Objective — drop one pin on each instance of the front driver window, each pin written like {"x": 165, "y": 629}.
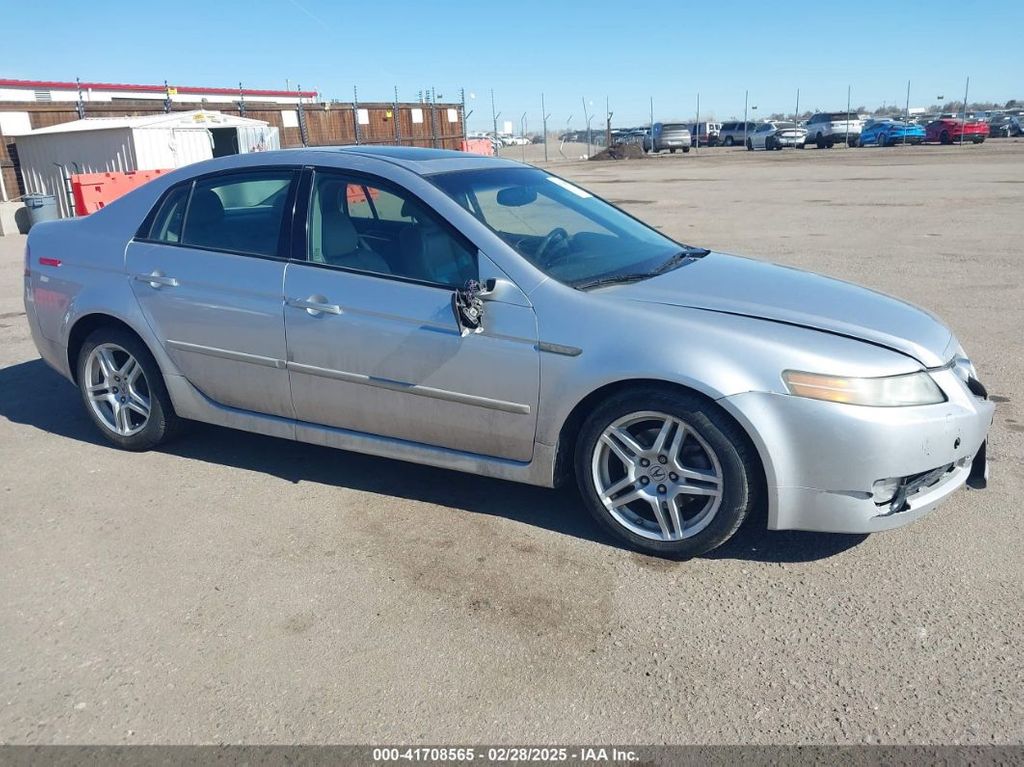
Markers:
{"x": 361, "y": 226}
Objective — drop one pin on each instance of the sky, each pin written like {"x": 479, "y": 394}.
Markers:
{"x": 576, "y": 54}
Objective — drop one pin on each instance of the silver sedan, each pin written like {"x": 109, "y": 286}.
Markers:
{"x": 481, "y": 315}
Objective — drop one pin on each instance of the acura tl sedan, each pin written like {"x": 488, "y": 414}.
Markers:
{"x": 477, "y": 314}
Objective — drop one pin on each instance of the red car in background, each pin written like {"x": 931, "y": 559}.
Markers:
{"x": 948, "y": 130}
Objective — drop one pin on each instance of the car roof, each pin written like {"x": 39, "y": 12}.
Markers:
{"x": 420, "y": 160}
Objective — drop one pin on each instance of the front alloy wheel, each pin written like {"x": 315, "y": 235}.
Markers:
{"x": 666, "y": 471}
{"x": 656, "y": 476}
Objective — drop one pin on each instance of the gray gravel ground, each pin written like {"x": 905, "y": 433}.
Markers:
{"x": 235, "y": 588}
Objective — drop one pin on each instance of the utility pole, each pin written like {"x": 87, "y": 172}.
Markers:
{"x": 355, "y": 113}
{"x": 746, "y": 97}
{"x": 396, "y": 116}
{"x": 588, "y": 117}
{"x": 906, "y": 115}
{"x": 544, "y": 120}
{"x": 494, "y": 115}
{"x": 607, "y": 124}
{"x": 650, "y": 132}
{"x": 522, "y": 133}
{"x": 963, "y": 119}
{"x": 796, "y": 115}
{"x": 696, "y": 125}
{"x": 847, "y": 116}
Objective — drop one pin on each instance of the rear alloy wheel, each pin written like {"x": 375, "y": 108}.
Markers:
{"x": 123, "y": 390}
{"x": 668, "y": 473}
{"x": 729, "y": 141}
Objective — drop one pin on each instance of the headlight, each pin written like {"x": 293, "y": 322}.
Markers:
{"x": 890, "y": 391}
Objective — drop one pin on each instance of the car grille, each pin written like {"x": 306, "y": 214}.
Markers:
{"x": 913, "y": 484}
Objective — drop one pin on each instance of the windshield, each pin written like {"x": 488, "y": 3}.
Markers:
{"x": 561, "y": 229}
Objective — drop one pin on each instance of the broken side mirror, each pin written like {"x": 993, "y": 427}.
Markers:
{"x": 468, "y": 306}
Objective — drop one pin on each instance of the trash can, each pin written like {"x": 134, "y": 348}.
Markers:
{"x": 41, "y": 207}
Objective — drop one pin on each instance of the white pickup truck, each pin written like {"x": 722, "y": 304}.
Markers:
{"x": 826, "y": 129}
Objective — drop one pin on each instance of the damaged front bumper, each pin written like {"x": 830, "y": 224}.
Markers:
{"x": 824, "y": 461}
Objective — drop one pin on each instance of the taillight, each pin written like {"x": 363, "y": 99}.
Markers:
{"x": 43, "y": 261}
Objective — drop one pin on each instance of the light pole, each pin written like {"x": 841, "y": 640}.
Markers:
{"x": 746, "y": 95}
{"x": 544, "y": 120}
{"x": 494, "y": 115}
{"x": 522, "y": 133}
{"x": 588, "y": 117}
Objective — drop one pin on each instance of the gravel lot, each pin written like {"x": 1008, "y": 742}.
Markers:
{"x": 235, "y": 588}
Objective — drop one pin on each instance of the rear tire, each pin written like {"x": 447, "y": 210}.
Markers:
{"x": 123, "y": 390}
{"x": 671, "y": 151}
{"x": 945, "y": 138}
{"x": 819, "y": 141}
{"x": 686, "y": 150}
{"x": 677, "y": 515}
{"x": 729, "y": 141}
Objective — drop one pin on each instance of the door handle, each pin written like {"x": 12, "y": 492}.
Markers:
{"x": 314, "y": 305}
{"x": 157, "y": 280}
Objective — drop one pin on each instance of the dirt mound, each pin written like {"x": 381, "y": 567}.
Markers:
{"x": 621, "y": 152}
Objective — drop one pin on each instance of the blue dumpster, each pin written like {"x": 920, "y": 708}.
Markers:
{"x": 41, "y": 207}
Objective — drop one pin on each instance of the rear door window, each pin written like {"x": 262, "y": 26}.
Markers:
{"x": 240, "y": 213}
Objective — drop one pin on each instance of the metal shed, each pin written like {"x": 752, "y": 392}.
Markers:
{"x": 120, "y": 144}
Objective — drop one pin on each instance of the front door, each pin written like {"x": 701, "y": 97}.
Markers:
{"x": 208, "y": 276}
{"x": 373, "y": 344}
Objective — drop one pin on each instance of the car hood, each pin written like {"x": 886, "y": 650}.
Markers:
{"x": 749, "y": 288}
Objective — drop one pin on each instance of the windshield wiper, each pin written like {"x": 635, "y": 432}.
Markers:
{"x": 680, "y": 258}
{"x": 616, "y": 279}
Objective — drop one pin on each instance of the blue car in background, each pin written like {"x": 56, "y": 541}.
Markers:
{"x": 888, "y": 132}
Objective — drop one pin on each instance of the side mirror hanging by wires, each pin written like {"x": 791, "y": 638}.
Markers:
{"x": 468, "y": 307}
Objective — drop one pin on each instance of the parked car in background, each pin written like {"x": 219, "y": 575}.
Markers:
{"x": 705, "y": 133}
{"x": 950, "y": 130}
{"x": 887, "y": 132}
{"x": 1017, "y": 125}
{"x": 826, "y": 129}
{"x": 999, "y": 126}
{"x": 776, "y": 134}
{"x": 733, "y": 133}
{"x": 454, "y": 310}
{"x": 670, "y": 136}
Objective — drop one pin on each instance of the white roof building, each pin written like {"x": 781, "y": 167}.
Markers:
{"x": 122, "y": 144}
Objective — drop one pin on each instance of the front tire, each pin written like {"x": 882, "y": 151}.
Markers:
{"x": 123, "y": 390}
{"x": 666, "y": 472}
{"x": 750, "y": 145}
{"x": 945, "y": 138}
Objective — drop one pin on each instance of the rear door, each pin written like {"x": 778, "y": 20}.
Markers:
{"x": 207, "y": 269}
